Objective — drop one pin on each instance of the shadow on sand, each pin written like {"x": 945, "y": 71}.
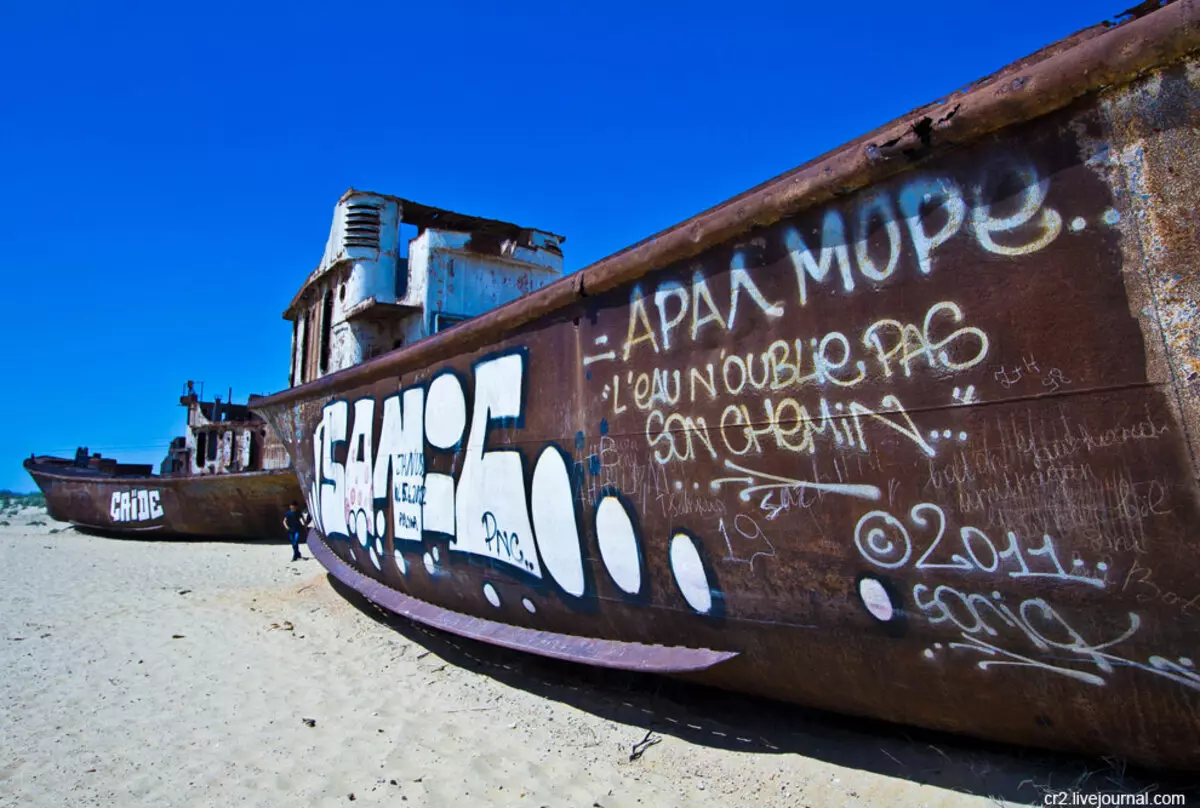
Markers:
{"x": 715, "y": 718}
{"x": 151, "y": 536}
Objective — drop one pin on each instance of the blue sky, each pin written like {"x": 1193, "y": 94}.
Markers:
{"x": 168, "y": 172}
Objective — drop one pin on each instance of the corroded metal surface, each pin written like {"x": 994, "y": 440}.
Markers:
{"x": 376, "y": 288}
{"x": 222, "y": 437}
{"x": 246, "y": 505}
{"x": 227, "y": 476}
{"x": 589, "y": 650}
{"x": 914, "y": 444}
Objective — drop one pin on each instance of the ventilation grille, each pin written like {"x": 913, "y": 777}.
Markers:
{"x": 362, "y": 225}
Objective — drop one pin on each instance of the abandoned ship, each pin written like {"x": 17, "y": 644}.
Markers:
{"x": 227, "y": 477}
{"x": 908, "y": 432}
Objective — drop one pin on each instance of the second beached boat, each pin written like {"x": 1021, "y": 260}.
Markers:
{"x": 227, "y": 477}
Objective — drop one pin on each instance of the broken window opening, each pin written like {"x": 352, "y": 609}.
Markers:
{"x": 255, "y": 459}
{"x": 408, "y": 233}
{"x": 303, "y": 363}
{"x": 401, "y": 277}
{"x": 295, "y": 346}
{"x": 442, "y": 320}
{"x": 326, "y": 332}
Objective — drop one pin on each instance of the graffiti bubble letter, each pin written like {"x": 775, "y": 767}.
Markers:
{"x": 490, "y": 510}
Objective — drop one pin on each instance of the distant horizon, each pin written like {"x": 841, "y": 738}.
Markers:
{"x": 171, "y": 176}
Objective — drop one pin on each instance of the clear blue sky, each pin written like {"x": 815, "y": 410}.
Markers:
{"x": 168, "y": 173}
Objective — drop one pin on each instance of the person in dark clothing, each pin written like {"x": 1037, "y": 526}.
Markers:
{"x": 295, "y": 520}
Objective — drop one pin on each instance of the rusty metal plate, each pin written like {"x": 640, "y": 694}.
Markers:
{"x": 919, "y": 452}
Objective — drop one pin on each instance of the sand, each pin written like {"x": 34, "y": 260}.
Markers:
{"x": 175, "y": 673}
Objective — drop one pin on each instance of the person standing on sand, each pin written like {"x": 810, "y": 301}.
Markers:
{"x": 293, "y": 521}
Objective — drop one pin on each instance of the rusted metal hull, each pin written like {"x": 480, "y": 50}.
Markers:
{"x": 246, "y": 505}
{"x": 907, "y": 433}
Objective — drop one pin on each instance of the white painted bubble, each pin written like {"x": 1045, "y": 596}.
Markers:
{"x": 962, "y": 435}
{"x": 445, "y": 411}
{"x": 438, "y": 511}
{"x": 375, "y": 559}
{"x": 928, "y": 653}
{"x": 491, "y": 594}
{"x": 528, "y": 604}
{"x": 1078, "y": 223}
{"x": 401, "y": 564}
{"x": 876, "y": 599}
{"x": 689, "y": 573}
{"x": 1112, "y": 217}
{"x": 429, "y": 565}
{"x": 554, "y": 525}
{"x": 437, "y": 555}
{"x": 362, "y": 528}
{"x": 946, "y": 434}
{"x": 618, "y": 545}
{"x": 380, "y": 524}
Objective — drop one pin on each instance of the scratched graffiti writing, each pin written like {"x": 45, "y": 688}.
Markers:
{"x": 991, "y": 624}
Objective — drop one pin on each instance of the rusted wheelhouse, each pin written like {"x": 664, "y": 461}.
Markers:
{"x": 226, "y": 477}
{"x": 908, "y": 432}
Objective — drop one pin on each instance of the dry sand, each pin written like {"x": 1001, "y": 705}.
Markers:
{"x": 169, "y": 673}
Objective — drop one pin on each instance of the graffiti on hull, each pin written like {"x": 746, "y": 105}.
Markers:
{"x": 874, "y": 386}
{"x": 527, "y": 524}
{"x": 136, "y": 505}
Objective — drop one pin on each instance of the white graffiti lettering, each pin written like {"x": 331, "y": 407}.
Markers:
{"x": 884, "y": 541}
{"x": 932, "y": 209}
{"x": 982, "y": 620}
{"x": 137, "y": 505}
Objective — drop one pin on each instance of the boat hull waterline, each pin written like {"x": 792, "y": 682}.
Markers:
{"x": 921, "y": 451}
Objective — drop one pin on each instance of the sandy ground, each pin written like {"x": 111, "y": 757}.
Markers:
{"x": 153, "y": 673}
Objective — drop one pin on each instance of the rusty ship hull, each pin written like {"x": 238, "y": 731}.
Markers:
{"x": 230, "y": 505}
{"x": 908, "y": 432}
